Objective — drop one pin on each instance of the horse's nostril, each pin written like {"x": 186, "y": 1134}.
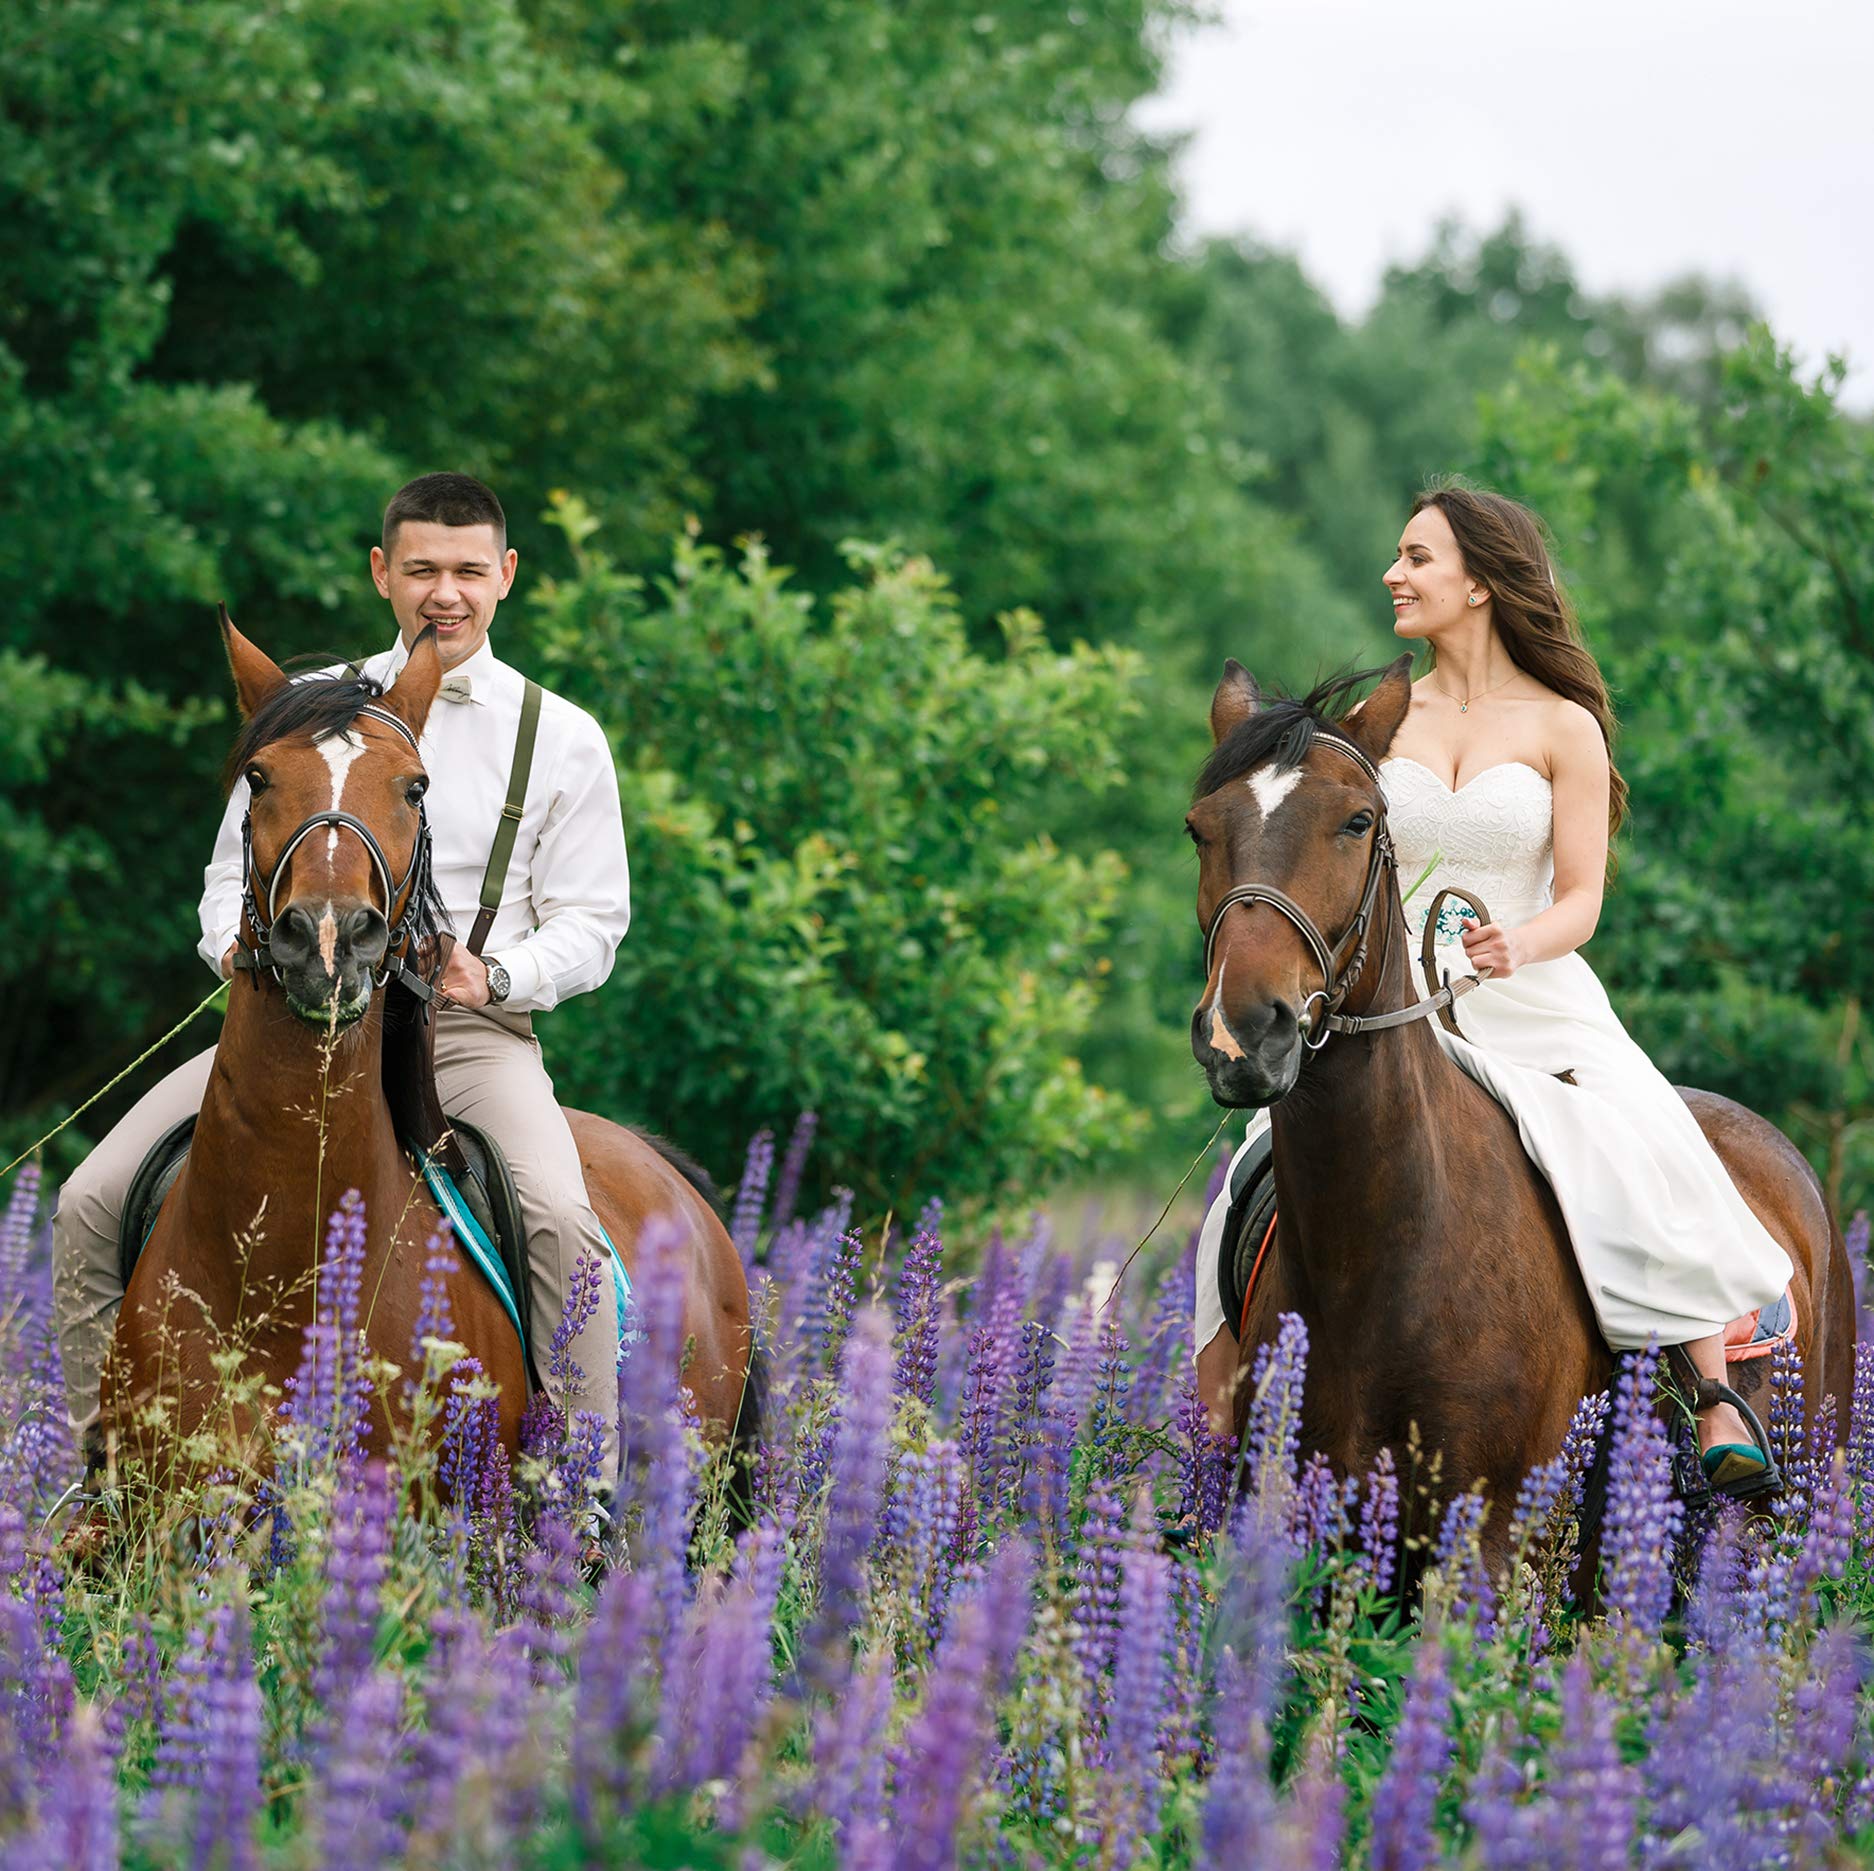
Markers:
{"x": 295, "y": 936}
{"x": 365, "y": 934}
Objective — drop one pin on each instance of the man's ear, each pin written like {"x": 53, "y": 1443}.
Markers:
{"x": 257, "y": 677}
{"x": 1236, "y": 699}
{"x": 1372, "y": 724}
{"x": 410, "y": 697}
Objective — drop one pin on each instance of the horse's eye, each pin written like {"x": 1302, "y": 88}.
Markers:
{"x": 256, "y": 780}
{"x": 417, "y": 788}
{"x": 1358, "y": 823}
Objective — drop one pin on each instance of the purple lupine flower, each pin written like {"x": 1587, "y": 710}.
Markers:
{"x": 981, "y": 1432}
{"x": 1251, "y": 1640}
{"x": 1502, "y": 1821}
{"x": 1828, "y": 1543}
{"x": 472, "y": 1787}
{"x": 328, "y": 1399}
{"x": 1310, "y": 1824}
{"x": 1818, "y": 1751}
{"x": 1066, "y": 1407}
{"x": 364, "y": 1788}
{"x": 435, "y": 1314}
{"x": 74, "y": 1827}
{"x": 1403, "y": 1803}
{"x": 849, "y": 1751}
{"x": 834, "y": 1288}
{"x": 1459, "y": 1555}
{"x": 1025, "y": 1459}
{"x": 1112, "y": 1386}
{"x": 1784, "y": 1419}
{"x": 1585, "y": 1428}
{"x": 1710, "y": 1767}
{"x": 1535, "y": 1501}
{"x": 209, "y": 1740}
{"x": 1586, "y": 1822}
{"x": 355, "y": 1563}
{"x": 1139, "y": 1701}
{"x": 793, "y": 1166}
{"x": 1322, "y": 1520}
{"x": 1100, "y": 1566}
{"x": 918, "y": 1309}
{"x": 616, "y": 1700}
{"x": 35, "y": 1679}
{"x": 751, "y": 1195}
{"x": 548, "y": 1597}
{"x": 1167, "y": 1337}
{"x": 1205, "y": 1461}
{"x": 1643, "y": 1513}
{"x": 16, "y": 1226}
{"x": 1272, "y": 1438}
{"x": 717, "y": 1683}
{"x": 925, "y": 1538}
{"x": 1379, "y": 1522}
{"x": 857, "y": 1493}
{"x": 590, "y": 1282}
{"x": 944, "y": 1744}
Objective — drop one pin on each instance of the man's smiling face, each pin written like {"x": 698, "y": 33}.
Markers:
{"x": 449, "y": 576}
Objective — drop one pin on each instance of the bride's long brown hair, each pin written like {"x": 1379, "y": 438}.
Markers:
{"x": 1507, "y": 549}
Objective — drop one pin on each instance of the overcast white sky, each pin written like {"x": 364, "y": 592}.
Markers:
{"x": 1645, "y": 139}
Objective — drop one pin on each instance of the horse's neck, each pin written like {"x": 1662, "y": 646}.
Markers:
{"x": 293, "y": 1117}
{"x": 1359, "y": 1143}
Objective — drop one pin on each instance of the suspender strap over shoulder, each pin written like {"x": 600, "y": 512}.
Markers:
{"x": 503, "y": 848}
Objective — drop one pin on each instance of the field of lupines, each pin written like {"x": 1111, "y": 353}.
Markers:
{"x": 999, "y": 1607}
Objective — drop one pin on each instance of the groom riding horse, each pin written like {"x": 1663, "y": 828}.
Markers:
{"x": 320, "y": 905}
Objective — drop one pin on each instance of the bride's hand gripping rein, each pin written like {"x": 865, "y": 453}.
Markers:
{"x": 1491, "y": 947}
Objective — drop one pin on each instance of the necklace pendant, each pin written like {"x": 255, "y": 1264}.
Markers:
{"x": 1464, "y": 708}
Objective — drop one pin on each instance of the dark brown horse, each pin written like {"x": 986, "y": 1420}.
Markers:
{"x": 296, "y": 1110}
{"x": 1422, "y": 1248}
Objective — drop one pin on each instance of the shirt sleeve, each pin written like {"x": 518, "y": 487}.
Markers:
{"x": 580, "y": 878}
{"x": 220, "y": 909}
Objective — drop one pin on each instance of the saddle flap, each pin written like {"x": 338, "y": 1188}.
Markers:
{"x": 156, "y": 1176}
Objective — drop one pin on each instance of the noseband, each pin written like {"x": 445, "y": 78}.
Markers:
{"x": 1338, "y": 977}
{"x": 258, "y": 954}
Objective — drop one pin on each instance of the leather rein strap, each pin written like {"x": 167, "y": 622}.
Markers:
{"x": 1338, "y": 976}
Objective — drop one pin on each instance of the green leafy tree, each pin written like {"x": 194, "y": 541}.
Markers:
{"x": 850, "y": 894}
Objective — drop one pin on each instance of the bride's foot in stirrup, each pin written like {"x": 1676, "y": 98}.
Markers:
{"x": 1733, "y": 1461}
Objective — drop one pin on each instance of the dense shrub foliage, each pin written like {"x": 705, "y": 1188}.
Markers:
{"x": 998, "y": 1607}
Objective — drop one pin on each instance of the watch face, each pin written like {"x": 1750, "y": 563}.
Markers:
{"x": 498, "y": 982}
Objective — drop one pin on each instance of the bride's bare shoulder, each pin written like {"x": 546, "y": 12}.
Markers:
{"x": 1573, "y": 734}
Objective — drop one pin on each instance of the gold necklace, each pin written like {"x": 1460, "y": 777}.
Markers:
{"x": 1464, "y": 708}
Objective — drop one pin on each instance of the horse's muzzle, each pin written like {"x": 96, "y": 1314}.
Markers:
{"x": 328, "y": 958}
{"x": 1250, "y": 1059}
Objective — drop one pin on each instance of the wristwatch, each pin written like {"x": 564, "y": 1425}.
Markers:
{"x": 500, "y": 986}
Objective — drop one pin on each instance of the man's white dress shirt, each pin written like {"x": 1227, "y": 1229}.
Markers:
{"x": 566, "y": 902}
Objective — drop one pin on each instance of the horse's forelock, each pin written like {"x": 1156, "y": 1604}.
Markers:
{"x": 1282, "y": 729}
{"x": 308, "y": 707}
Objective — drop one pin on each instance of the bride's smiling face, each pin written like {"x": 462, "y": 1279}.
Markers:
{"x": 1429, "y": 586}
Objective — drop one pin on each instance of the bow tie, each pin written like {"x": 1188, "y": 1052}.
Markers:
{"x": 455, "y": 689}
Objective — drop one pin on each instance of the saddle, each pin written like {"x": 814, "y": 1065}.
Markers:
{"x": 464, "y": 1167}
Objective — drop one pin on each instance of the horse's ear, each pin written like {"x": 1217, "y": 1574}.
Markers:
{"x": 1236, "y": 699}
{"x": 410, "y": 697}
{"x": 257, "y": 677}
{"x": 1374, "y": 720}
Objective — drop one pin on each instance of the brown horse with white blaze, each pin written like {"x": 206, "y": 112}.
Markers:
{"x": 296, "y": 1111}
{"x": 1421, "y": 1246}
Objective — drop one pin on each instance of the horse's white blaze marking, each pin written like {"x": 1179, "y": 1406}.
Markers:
{"x": 1221, "y": 1038}
{"x": 328, "y": 937}
{"x": 340, "y": 750}
{"x": 1272, "y": 788}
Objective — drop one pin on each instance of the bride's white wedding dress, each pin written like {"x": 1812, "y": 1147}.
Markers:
{"x": 1667, "y": 1246}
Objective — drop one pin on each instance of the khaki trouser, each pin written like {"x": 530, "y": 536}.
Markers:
{"x": 488, "y": 1070}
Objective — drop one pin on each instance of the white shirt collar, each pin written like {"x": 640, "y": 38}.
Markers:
{"x": 485, "y": 670}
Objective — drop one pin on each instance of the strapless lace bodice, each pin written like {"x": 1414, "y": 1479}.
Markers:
{"x": 1494, "y": 835}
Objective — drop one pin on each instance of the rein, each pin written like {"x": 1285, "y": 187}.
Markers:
{"x": 257, "y": 956}
{"x": 1338, "y": 976}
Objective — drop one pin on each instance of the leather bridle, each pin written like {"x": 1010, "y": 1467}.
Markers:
{"x": 1337, "y": 974}
{"x": 257, "y": 955}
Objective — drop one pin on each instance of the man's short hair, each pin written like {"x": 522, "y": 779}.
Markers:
{"x": 445, "y": 500}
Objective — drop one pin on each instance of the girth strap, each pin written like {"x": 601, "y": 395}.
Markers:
{"x": 495, "y": 877}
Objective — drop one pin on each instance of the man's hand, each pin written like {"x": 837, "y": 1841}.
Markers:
{"x": 464, "y": 980}
{"x": 227, "y": 962}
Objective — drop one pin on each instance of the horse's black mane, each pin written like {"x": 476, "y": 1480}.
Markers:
{"x": 1284, "y": 726}
{"x": 308, "y": 707}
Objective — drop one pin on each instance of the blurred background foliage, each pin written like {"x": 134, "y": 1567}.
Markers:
{"x": 755, "y": 282}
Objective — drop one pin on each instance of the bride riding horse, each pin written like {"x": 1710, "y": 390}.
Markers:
{"x": 339, "y": 909}
{"x": 1422, "y": 1247}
